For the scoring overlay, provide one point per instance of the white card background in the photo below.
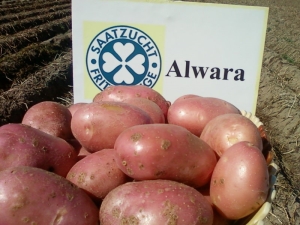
(205, 35)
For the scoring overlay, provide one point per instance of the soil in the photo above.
(36, 65)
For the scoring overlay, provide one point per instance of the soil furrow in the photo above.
(14, 43)
(287, 52)
(48, 83)
(283, 30)
(15, 68)
(12, 4)
(285, 74)
(28, 23)
(33, 6)
(32, 13)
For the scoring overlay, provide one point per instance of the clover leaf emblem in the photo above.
(124, 63)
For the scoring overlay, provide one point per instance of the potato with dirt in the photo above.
(34, 196)
(240, 181)
(50, 117)
(97, 125)
(97, 174)
(22, 145)
(154, 202)
(122, 92)
(194, 112)
(164, 151)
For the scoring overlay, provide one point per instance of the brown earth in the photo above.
(36, 65)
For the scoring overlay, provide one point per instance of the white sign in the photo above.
(176, 48)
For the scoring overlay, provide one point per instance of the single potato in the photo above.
(155, 202)
(194, 112)
(164, 151)
(50, 117)
(97, 174)
(34, 196)
(240, 181)
(22, 145)
(226, 130)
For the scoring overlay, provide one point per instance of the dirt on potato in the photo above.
(36, 65)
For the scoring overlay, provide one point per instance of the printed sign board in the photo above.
(176, 48)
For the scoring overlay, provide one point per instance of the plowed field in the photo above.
(35, 55)
(36, 65)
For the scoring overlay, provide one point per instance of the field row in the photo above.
(11, 3)
(48, 83)
(283, 34)
(15, 68)
(12, 28)
(35, 55)
(284, 75)
(13, 43)
(25, 7)
(279, 107)
(33, 13)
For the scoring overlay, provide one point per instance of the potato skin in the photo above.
(240, 181)
(122, 92)
(96, 125)
(183, 97)
(34, 196)
(226, 130)
(218, 218)
(97, 174)
(22, 145)
(149, 107)
(164, 151)
(73, 108)
(154, 202)
(194, 112)
(50, 117)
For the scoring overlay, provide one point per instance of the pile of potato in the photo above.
(132, 157)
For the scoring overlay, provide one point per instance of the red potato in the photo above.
(97, 125)
(50, 117)
(121, 92)
(164, 151)
(240, 181)
(97, 174)
(226, 130)
(149, 107)
(34, 196)
(22, 145)
(154, 202)
(187, 96)
(73, 108)
(218, 218)
(194, 112)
